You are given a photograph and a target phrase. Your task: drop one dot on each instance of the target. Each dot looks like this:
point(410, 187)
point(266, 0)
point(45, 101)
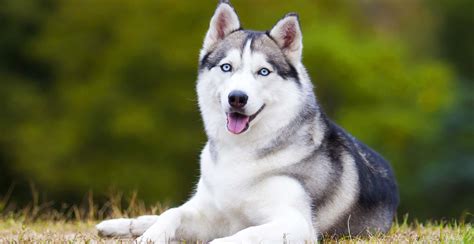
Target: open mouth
point(238, 123)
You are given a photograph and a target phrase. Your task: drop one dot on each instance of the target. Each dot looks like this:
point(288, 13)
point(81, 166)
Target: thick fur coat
point(275, 168)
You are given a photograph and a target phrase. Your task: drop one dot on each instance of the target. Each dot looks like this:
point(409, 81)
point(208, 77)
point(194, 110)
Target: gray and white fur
point(275, 168)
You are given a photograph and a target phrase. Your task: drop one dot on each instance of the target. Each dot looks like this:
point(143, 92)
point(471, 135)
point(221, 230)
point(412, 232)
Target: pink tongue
point(236, 123)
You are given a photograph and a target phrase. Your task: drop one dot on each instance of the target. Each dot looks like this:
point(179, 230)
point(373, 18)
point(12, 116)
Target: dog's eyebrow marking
point(259, 42)
point(217, 53)
point(205, 61)
point(285, 72)
point(211, 59)
point(264, 43)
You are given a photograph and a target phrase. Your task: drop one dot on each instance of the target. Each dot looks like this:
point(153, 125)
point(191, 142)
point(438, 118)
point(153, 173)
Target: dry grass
point(83, 231)
point(429, 232)
point(47, 231)
point(39, 223)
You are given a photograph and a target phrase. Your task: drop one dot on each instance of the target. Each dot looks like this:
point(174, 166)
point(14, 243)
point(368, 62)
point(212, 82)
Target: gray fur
point(334, 184)
point(320, 171)
point(213, 150)
point(331, 152)
point(287, 135)
point(234, 40)
point(261, 42)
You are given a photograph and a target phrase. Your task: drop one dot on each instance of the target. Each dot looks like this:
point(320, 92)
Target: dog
point(275, 168)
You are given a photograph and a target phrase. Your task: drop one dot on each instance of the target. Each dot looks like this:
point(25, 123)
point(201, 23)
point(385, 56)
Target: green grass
point(39, 223)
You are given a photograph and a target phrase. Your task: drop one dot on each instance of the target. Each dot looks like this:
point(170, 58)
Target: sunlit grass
point(75, 224)
point(83, 231)
point(415, 232)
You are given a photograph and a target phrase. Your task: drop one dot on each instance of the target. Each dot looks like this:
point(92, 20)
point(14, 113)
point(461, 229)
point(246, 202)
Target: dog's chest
point(233, 179)
point(235, 174)
point(236, 179)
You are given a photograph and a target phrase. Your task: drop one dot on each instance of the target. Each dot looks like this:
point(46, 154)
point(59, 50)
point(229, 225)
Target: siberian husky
point(275, 168)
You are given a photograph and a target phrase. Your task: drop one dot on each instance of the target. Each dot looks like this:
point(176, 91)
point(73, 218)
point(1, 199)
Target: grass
point(429, 232)
point(13, 230)
point(40, 223)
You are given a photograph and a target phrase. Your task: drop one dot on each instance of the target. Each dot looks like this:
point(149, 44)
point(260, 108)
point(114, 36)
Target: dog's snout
point(238, 99)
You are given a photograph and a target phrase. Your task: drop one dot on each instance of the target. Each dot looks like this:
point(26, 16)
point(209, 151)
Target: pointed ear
point(224, 21)
point(287, 34)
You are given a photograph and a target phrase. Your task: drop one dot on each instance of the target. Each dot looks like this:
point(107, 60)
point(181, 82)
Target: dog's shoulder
point(376, 178)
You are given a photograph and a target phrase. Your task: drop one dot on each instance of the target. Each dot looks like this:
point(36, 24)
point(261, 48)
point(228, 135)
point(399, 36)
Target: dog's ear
point(224, 21)
point(287, 34)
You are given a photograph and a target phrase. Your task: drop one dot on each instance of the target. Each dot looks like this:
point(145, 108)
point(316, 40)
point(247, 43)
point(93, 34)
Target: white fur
point(344, 196)
point(276, 93)
point(227, 202)
point(236, 201)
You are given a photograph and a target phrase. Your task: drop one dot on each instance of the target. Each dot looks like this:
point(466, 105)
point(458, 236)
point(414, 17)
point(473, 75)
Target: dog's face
point(248, 78)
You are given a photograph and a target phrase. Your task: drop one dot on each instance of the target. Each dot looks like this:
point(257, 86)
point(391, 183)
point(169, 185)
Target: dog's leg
point(194, 220)
point(285, 211)
point(289, 227)
point(126, 227)
point(165, 229)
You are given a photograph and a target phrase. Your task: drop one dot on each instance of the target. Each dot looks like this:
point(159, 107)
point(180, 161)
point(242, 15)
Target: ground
point(41, 223)
point(14, 230)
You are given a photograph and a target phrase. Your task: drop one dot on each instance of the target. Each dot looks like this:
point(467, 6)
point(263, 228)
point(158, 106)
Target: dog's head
point(249, 79)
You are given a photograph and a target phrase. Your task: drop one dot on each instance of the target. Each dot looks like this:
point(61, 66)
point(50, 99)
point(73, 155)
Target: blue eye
point(264, 72)
point(226, 67)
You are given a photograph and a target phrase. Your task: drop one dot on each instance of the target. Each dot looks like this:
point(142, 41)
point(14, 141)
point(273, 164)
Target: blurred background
point(98, 95)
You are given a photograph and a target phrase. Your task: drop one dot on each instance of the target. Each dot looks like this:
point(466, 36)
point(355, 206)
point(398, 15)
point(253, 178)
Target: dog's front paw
point(114, 228)
point(144, 239)
point(153, 236)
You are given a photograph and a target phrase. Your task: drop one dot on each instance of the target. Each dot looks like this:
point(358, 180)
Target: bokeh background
point(97, 95)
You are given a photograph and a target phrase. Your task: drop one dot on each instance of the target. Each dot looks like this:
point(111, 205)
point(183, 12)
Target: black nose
point(238, 99)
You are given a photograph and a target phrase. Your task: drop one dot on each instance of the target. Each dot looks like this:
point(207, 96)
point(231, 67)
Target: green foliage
point(99, 93)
